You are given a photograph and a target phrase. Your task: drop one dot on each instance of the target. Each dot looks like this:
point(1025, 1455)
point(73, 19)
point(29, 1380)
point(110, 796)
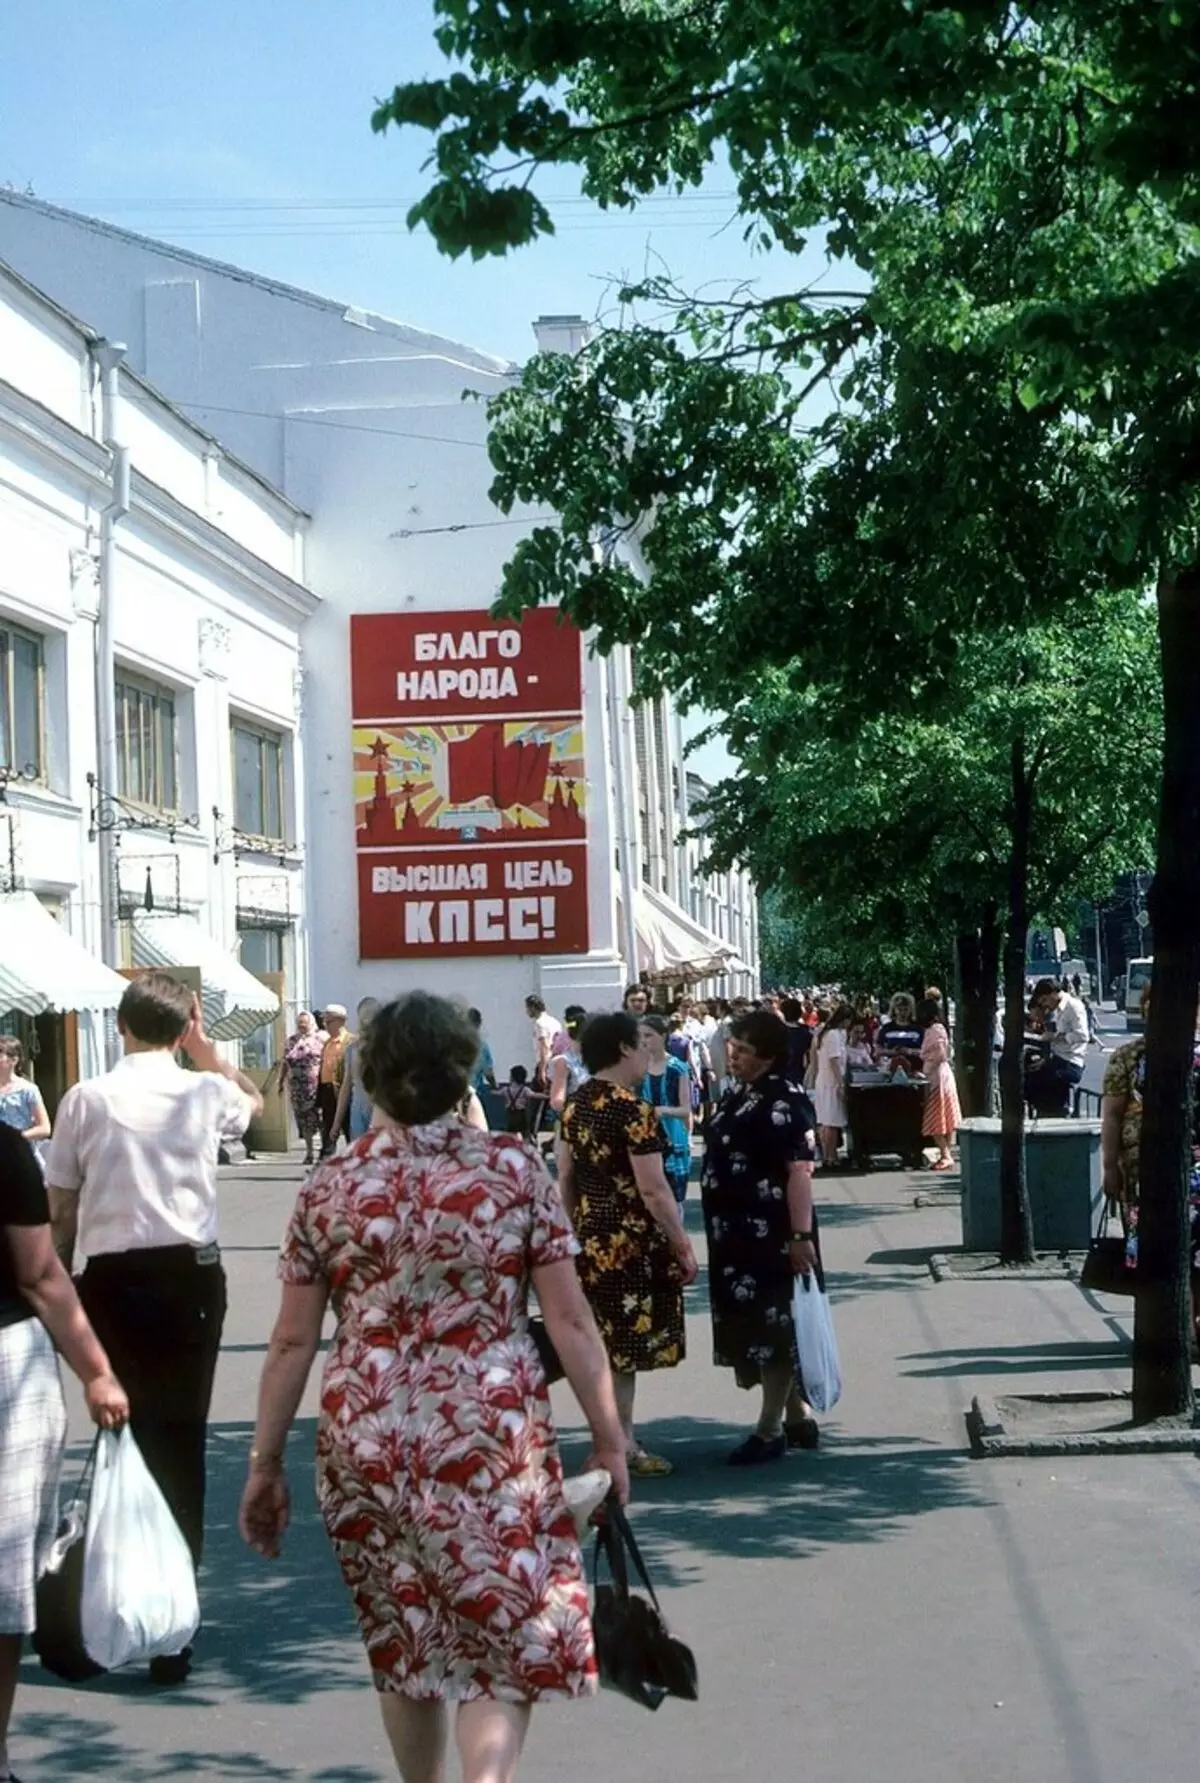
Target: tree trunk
point(977, 970)
point(1162, 1374)
point(1016, 1218)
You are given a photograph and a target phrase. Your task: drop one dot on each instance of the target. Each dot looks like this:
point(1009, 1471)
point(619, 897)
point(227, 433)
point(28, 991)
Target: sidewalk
point(885, 1608)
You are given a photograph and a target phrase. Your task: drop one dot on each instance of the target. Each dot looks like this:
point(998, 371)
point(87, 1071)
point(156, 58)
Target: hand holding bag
point(637, 1654)
point(139, 1585)
point(816, 1346)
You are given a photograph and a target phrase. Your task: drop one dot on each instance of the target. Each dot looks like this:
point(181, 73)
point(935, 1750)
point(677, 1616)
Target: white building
point(200, 839)
point(362, 422)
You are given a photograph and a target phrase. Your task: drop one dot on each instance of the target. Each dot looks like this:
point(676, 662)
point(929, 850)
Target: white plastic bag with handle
point(139, 1585)
point(816, 1346)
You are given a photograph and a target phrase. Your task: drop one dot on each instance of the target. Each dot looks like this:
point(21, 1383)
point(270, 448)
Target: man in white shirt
point(132, 1174)
point(546, 1028)
point(1048, 1085)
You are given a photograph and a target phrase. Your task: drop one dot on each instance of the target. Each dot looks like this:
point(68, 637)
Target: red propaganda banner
point(470, 796)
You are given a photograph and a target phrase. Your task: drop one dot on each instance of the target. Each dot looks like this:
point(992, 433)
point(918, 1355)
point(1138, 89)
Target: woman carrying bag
point(39, 1312)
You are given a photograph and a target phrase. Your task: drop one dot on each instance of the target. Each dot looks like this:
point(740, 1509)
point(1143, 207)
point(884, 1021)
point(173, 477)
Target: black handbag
point(637, 1654)
point(548, 1356)
point(58, 1637)
point(1105, 1269)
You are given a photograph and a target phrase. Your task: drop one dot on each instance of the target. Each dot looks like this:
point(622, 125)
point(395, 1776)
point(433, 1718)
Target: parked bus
point(1137, 976)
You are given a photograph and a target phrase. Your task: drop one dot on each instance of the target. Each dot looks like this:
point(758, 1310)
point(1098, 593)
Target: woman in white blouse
point(830, 1093)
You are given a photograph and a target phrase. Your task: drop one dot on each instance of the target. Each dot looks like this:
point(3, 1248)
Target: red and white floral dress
point(437, 1463)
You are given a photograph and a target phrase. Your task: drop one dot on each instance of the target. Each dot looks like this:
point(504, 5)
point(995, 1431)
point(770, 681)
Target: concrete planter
point(1062, 1164)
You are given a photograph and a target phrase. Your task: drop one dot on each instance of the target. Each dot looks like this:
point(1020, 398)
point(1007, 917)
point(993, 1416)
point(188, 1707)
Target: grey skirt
point(33, 1431)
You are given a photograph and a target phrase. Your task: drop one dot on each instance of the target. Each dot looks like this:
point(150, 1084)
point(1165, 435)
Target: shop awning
point(234, 1001)
point(673, 948)
point(43, 968)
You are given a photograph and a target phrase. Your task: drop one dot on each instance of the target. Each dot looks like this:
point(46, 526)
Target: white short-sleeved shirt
point(139, 1146)
point(545, 1028)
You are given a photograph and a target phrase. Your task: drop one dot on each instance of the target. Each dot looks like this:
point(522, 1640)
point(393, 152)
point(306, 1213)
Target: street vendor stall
point(884, 1117)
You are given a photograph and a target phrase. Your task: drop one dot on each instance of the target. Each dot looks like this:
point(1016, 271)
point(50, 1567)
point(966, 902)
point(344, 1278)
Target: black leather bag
point(637, 1654)
point(1105, 1270)
point(548, 1356)
point(58, 1638)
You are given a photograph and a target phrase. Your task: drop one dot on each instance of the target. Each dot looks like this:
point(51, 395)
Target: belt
point(159, 1256)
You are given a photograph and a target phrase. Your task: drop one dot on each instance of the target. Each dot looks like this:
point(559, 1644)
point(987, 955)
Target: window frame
point(161, 694)
point(266, 739)
point(9, 630)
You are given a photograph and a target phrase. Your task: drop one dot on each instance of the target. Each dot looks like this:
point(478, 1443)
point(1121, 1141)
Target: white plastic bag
point(139, 1585)
point(816, 1346)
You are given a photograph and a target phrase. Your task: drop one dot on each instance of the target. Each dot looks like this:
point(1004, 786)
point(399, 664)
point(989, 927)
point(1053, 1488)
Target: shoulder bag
point(636, 1653)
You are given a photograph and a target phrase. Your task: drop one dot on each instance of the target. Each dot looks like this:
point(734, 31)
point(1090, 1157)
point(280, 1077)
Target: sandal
point(943, 1164)
point(649, 1467)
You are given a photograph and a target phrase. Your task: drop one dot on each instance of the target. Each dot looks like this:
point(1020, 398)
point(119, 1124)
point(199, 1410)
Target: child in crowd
point(521, 1103)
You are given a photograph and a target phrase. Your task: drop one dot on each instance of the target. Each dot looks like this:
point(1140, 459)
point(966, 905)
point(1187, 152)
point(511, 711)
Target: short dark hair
point(417, 1056)
point(605, 1038)
point(518, 1074)
point(792, 1009)
point(11, 1048)
point(657, 1022)
point(156, 1009)
point(534, 1005)
point(636, 990)
point(929, 1010)
point(764, 1031)
point(1045, 987)
point(575, 1019)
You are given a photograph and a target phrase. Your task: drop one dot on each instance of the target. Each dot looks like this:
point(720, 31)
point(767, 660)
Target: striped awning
point(235, 1003)
point(43, 968)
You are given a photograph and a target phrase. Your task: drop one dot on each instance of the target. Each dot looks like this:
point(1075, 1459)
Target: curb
point(989, 1439)
point(942, 1269)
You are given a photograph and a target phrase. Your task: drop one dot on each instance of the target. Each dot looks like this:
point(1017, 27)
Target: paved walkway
point(885, 1608)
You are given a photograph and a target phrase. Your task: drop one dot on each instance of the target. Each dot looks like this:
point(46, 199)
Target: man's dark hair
point(156, 1009)
point(1045, 987)
point(636, 990)
point(417, 1056)
point(656, 1022)
point(534, 1005)
point(605, 1038)
point(764, 1031)
point(792, 1009)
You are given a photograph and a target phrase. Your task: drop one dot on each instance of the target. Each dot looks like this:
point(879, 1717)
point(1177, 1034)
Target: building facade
point(361, 421)
point(189, 850)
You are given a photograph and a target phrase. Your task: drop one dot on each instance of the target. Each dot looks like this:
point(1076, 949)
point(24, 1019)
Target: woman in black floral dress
point(635, 1256)
point(756, 1190)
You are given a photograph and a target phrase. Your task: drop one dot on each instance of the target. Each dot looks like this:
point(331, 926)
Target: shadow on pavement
point(865, 1492)
point(78, 1747)
point(1037, 1358)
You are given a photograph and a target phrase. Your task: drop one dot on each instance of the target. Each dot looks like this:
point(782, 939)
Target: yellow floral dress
point(625, 1264)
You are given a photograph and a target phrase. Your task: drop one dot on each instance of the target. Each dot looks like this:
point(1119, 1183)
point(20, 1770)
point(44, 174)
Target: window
point(146, 770)
point(22, 673)
point(257, 782)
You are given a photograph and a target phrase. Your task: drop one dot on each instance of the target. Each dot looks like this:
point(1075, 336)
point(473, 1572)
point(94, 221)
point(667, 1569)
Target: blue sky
point(212, 127)
point(241, 129)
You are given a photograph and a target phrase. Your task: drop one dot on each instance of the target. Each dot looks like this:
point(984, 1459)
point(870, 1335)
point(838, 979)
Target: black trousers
point(159, 1315)
point(327, 1100)
point(1049, 1085)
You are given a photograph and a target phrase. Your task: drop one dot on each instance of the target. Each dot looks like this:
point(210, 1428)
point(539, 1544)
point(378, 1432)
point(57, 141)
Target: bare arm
point(573, 1333)
point(653, 1187)
point(265, 1506)
point(45, 1284)
point(64, 1222)
point(566, 1176)
point(803, 1252)
point(41, 1120)
point(558, 1084)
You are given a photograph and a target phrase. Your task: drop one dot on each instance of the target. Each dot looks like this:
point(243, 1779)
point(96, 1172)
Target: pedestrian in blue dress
point(667, 1086)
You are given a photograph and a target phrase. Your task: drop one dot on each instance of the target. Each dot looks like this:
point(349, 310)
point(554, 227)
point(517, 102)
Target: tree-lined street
point(885, 1605)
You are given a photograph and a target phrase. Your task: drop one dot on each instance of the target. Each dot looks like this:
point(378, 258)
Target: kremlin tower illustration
point(481, 767)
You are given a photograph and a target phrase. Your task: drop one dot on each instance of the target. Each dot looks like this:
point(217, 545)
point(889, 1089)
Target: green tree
point(1018, 186)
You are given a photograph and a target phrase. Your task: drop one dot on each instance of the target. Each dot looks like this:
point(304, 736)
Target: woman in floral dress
point(437, 1463)
point(636, 1256)
point(299, 1072)
point(757, 1191)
